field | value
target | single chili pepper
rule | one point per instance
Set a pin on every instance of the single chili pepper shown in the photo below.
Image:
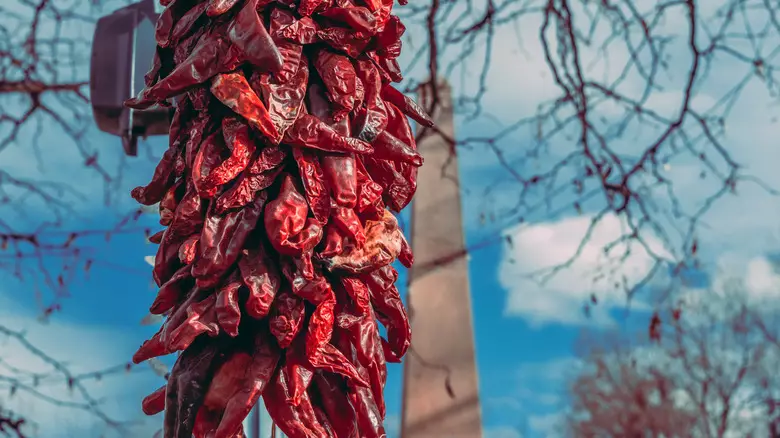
(368, 417)
(372, 117)
(368, 349)
(287, 315)
(391, 34)
(347, 221)
(387, 147)
(166, 21)
(248, 187)
(323, 420)
(187, 386)
(171, 291)
(285, 216)
(163, 178)
(166, 261)
(357, 17)
(298, 373)
(222, 241)
(154, 403)
(314, 183)
(339, 172)
(212, 55)
(406, 257)
(234, 91)
(186, 24)
(390, 309)
(294, 421)
(382, 246)
(331, 390)
(157, 345)
(189, 249)
(186, 45)
(157, 237)
(188, 218)
(200, 127)
(358, 292)
(262, 280)
(345, 40)
(219, 7)
(397, 191)
(369, 191)
(391, 67)
(303, 31)
(310, 132)
(332, 244)
(270, 157)
(227, 307)
(407, 105)
(237, 138)
(208, 158)
(285, 99)
(201, 319)
(265, 358)
(338, 75)
(169, 202)
(291, 51)
(249, 35)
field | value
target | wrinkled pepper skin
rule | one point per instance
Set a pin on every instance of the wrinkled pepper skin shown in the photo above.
(289, 148)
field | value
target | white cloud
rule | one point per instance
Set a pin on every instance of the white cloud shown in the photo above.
(559, 299)
(82, 348)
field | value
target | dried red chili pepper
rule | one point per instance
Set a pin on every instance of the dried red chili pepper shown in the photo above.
(287, 315)
(212, 55)
(227, 307)
(222, 241)
(285, 99)
(245, 190)
(310, 132)
(314, 183)
(407, 105)
(186, 23)
(331, 390)
(154, 403)
(237, 138)
(163, 177)
(248, 33)
(325, 228)
(338, 75)
(303, 31)
(357, 17)
(171, 291)
(234, 91)
(345, 40)
(263, 281)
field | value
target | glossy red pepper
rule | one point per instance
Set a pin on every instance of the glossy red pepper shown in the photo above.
(261, 278)
(314, 183)
(234, 91)
(338, 75)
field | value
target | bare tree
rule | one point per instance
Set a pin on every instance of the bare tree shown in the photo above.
(709, 371)
(46, 241)
(599, 144)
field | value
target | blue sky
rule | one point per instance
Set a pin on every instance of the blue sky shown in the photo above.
(526, 333)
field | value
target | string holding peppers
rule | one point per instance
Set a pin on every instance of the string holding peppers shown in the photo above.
(288, 151)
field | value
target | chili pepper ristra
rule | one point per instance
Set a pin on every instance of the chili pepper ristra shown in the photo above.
(289, 150)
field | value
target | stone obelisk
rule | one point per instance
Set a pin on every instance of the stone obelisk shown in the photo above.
(441, 391)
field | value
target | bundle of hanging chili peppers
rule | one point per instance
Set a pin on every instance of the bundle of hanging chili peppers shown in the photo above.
(288, 146)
